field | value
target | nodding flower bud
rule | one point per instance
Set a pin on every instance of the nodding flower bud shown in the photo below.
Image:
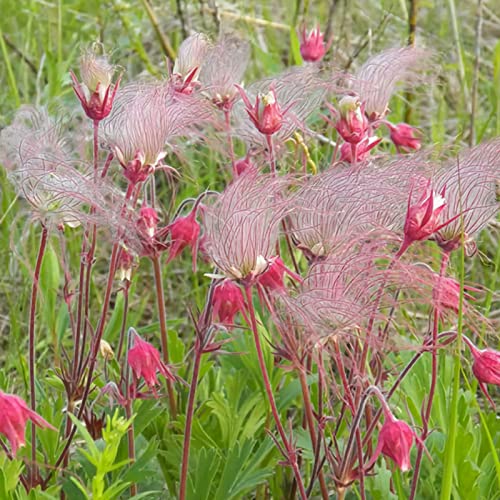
(422, 218)
(446, 293)
(266, 114)
(362, 149)
(312, 46)
(243, 165)
(227, 300)
(145, 361)
(125, 265)
(405, 137)
(148, 222)
(395, 441)
(96, 92)
(486, 367)
(184, 231)
(14, 415)
(353, 123)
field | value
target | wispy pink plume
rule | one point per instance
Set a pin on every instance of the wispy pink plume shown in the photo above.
(191, 55)
(377, 78)
(146, 115)
(224, 66)
(337, 294)
(43, 171)
(299, 92)
(470, 184)
(342, 203)
(242, 225)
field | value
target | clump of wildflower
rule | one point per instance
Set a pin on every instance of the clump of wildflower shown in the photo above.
(14, 415)
(145, 361)
(242, 226)
(470, 194)
(96, 92)
(224, 66)
(190, 58)
(312, 45)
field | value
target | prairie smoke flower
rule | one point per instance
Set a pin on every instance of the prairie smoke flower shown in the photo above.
(227, 301)
(423, 217)
(125, 265)
(184, 231)
(145, 361)
(266, 114)
(273, 278)
(14, 415)
(486, 367)
(342, 204)
(395, 441)
(375, 81)
(405, 137)
(470, 193)
(190, 57)
(144, 118)
(336, 292)
(312, 46)
(224, 66)
(96, 92)
(44, 173)
(242, 225)
(299, 91)
(446, 293)
(362, 149)
(352, 124)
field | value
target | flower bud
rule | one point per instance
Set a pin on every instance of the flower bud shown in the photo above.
(353, 123)
(422, 218)
(486, 366)
(184, 231)
(14, 415)
(405, 137)
(148, 221)
(106, 350)
(312, 46)
(273, 277)
(96, 92)
(145, 361)
(266, 113)
(227, 300)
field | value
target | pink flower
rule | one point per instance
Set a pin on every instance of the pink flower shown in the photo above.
(96, 92)
(312, 46)
(145, 361)
(353, 124)
(362, 149)
(273, 277)
(448, 294)
(227, 300)
(14, 413)
(148, 222)
(187, 66)
(266, 114)
(422, 218)
(184, 231)
(405, 137)
(395, 441)
(486, 367)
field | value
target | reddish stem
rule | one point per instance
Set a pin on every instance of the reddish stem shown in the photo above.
(160, 299)
(434, 375)
(34, 292)
(292, 459)
(227, 119)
